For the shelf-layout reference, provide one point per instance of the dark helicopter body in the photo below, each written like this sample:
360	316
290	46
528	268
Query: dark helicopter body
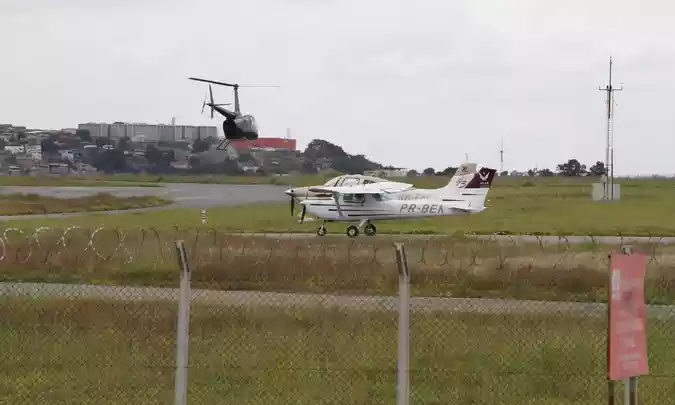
237	126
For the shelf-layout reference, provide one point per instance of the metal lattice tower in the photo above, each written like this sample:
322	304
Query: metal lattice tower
609	149
501	158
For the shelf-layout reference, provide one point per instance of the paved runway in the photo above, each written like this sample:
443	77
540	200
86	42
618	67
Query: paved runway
248	299
184	195
573	239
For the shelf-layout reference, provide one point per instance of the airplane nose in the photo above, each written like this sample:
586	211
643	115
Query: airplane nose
289	192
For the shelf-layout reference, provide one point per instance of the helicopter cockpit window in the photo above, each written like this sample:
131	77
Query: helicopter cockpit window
246	123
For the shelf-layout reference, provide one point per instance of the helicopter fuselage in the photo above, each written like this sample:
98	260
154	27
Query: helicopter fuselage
242	127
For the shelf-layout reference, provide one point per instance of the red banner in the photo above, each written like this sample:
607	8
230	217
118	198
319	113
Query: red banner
627	321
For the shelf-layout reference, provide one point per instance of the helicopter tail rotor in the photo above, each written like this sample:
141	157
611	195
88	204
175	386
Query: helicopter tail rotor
211	102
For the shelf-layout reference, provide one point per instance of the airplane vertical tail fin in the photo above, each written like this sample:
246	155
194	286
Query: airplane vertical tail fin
461	178
477	188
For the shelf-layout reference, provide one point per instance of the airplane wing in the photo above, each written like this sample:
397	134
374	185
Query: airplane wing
373	188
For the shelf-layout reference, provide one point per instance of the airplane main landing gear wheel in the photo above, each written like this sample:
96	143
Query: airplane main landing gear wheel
321	230
370	230
352	231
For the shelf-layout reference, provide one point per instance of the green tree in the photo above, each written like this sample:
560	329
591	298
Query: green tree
598	169
572	168
84	135
429	171
201	145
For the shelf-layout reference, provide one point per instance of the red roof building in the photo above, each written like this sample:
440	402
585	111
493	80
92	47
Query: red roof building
273	143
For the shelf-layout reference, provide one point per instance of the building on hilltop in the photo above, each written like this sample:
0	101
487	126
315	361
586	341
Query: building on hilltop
141	132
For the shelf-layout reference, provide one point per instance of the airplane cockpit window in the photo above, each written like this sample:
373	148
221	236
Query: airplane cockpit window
354	198
333	182
368	181
381	197
350	181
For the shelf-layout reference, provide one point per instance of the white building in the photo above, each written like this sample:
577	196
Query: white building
140	132
35	151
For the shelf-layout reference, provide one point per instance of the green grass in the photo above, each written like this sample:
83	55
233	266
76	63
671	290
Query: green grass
89	352
547	206
554	206
71	181
30	204
457	267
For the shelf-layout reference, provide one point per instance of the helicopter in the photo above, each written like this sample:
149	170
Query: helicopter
237	126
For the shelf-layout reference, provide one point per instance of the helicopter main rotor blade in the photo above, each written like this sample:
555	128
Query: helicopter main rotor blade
213	82
223	83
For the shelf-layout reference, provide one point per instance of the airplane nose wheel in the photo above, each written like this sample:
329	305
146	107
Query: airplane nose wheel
321	230
352	231
370	230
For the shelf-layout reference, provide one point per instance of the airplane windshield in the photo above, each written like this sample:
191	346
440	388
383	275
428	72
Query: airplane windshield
246	123
333	181
381	197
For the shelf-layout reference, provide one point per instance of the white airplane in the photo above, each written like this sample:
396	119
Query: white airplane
345	180
464	194
464	171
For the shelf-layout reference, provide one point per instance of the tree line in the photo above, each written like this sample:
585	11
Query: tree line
570	168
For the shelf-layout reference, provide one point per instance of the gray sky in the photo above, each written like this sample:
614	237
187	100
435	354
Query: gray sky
413	84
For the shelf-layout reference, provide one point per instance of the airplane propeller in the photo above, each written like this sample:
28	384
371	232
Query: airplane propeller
302	214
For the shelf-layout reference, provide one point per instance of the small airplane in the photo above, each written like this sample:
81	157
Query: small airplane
237	126
377	202
463	174
345	180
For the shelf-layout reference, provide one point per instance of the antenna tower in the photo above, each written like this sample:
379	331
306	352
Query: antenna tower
501	158
609	149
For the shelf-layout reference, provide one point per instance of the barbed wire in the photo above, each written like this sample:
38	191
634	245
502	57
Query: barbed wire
21	245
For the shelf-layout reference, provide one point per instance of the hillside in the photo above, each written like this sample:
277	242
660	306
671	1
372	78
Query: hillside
320	154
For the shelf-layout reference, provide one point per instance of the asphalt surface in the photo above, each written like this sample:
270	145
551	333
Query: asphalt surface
250	299
184	195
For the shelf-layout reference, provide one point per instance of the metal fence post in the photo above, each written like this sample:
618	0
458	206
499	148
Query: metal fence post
403	356
182	330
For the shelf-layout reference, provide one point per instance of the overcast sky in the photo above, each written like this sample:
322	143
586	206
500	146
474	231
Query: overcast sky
413	84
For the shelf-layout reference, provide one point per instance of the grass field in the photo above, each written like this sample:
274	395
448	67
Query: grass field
547	206
86	352
516	205
457	267
27	204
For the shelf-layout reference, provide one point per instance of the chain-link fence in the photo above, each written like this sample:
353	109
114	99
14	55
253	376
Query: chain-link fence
92	316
